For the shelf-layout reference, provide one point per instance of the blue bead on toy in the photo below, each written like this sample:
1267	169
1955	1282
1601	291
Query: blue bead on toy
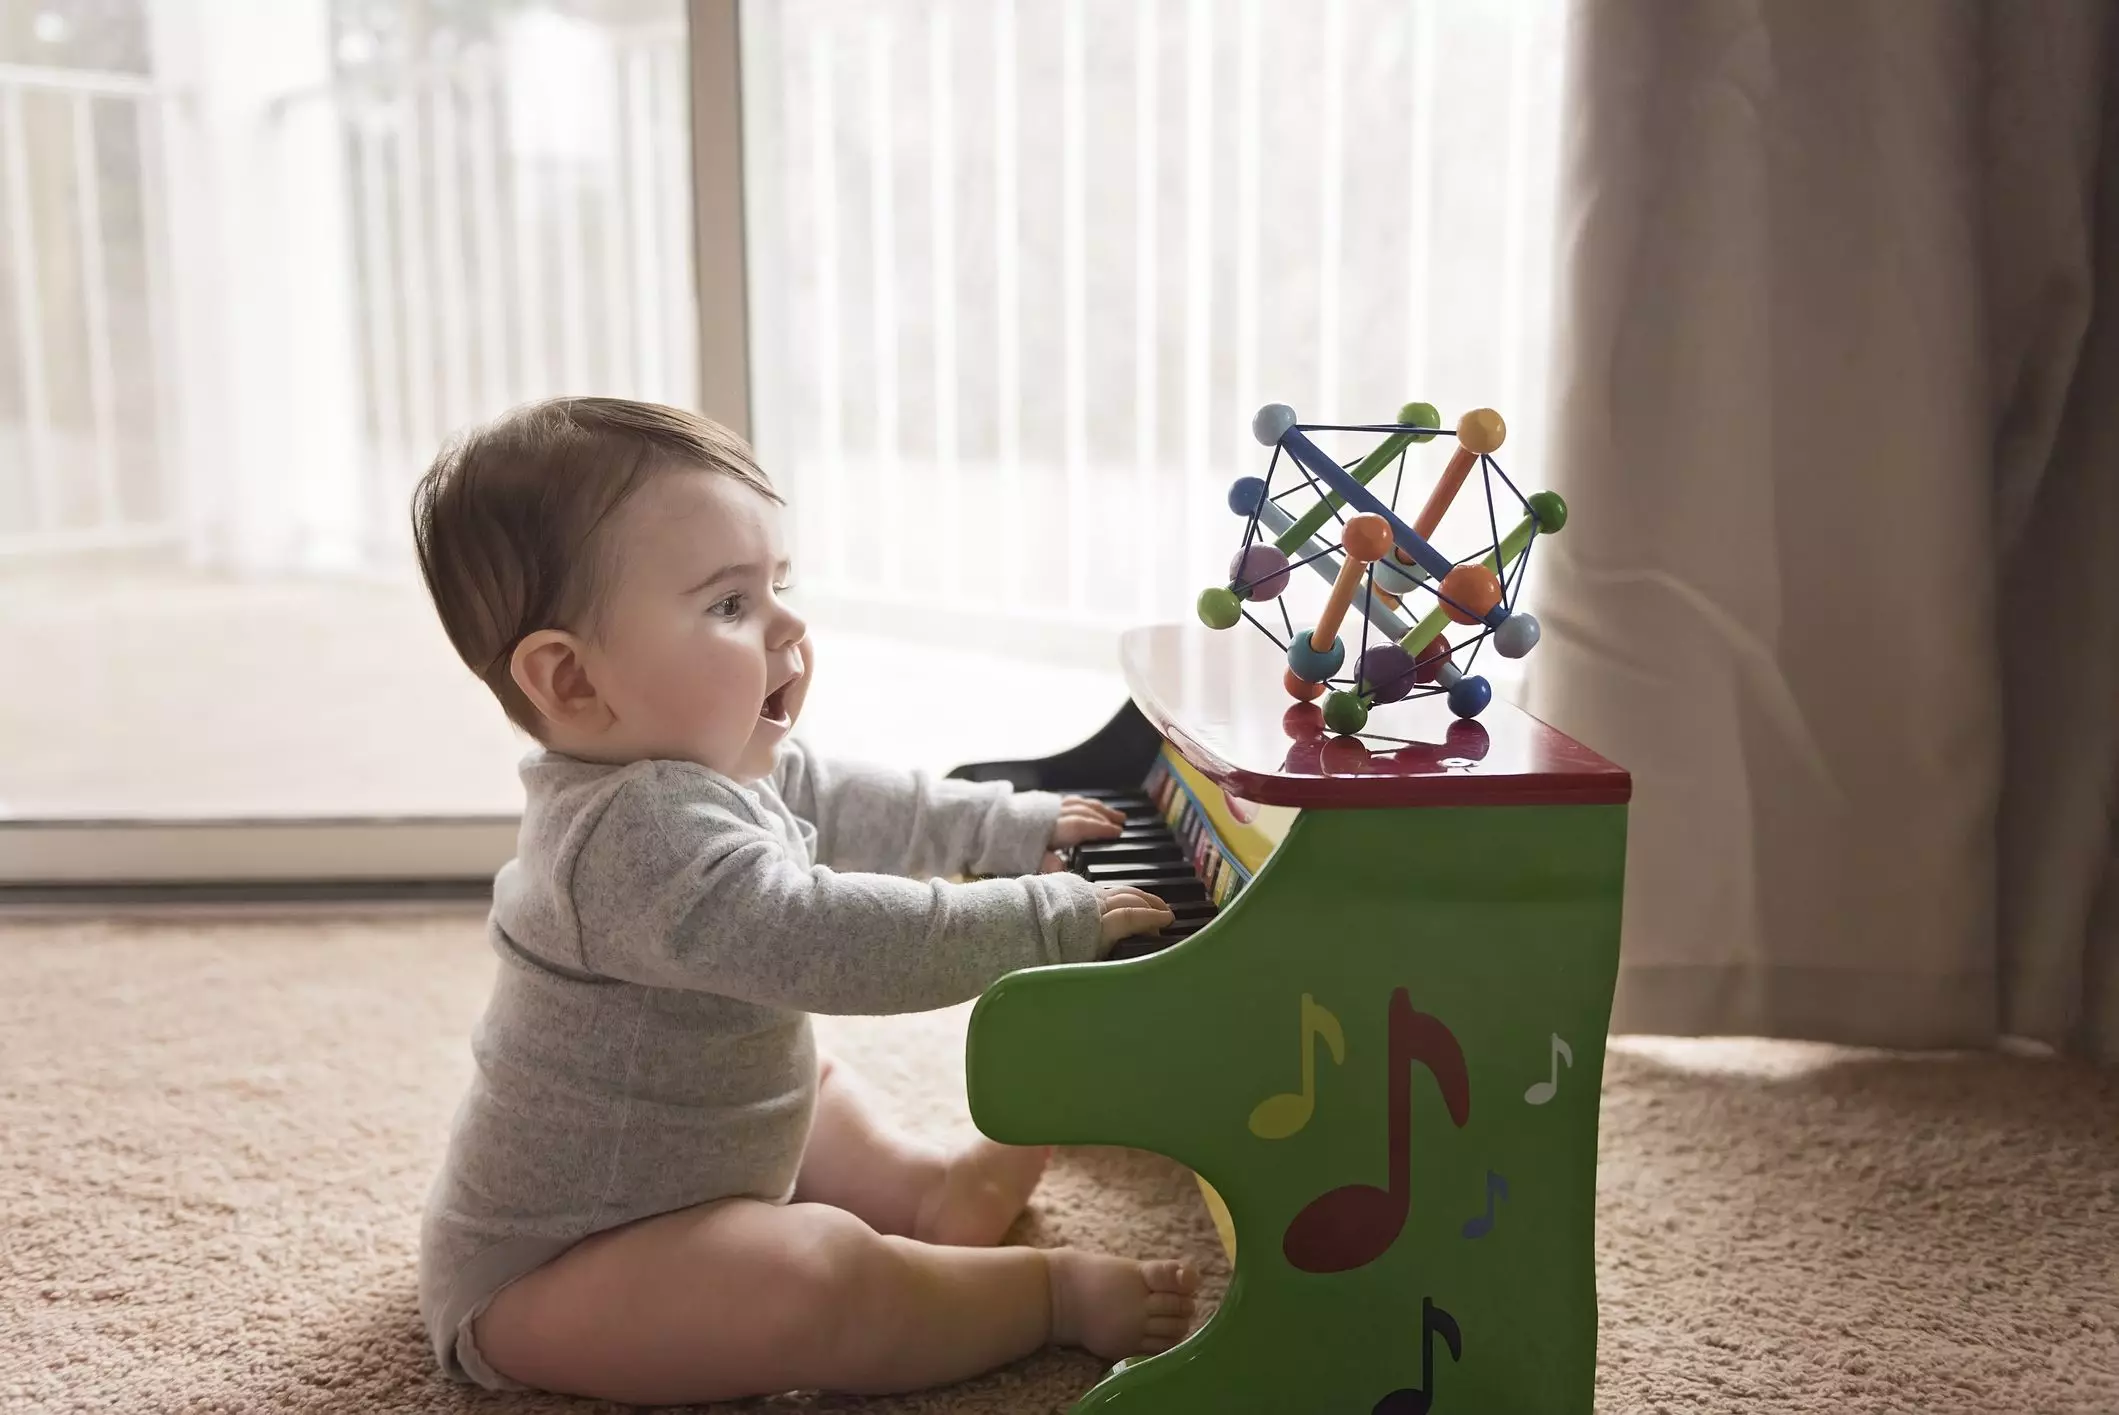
1518	636
1311	666
1400	580
1246	495
1470	696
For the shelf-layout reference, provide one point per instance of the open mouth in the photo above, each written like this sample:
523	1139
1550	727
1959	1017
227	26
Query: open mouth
775	709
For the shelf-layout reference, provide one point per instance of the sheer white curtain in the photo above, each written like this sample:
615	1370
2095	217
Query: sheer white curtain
257	263
1838	408
1022	270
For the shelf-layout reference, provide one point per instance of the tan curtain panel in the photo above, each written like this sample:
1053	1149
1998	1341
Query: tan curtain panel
1837	415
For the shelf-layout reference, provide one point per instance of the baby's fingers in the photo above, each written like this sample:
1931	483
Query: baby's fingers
1073	827
1126	896
1092	810
1131	920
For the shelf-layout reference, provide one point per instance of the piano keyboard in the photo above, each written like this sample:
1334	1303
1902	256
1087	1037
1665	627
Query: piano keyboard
1181	841
1169	848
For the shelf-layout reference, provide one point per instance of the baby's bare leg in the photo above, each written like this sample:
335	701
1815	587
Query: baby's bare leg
742	1298
900	1186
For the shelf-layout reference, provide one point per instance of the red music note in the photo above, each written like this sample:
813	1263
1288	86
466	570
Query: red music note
1355	1224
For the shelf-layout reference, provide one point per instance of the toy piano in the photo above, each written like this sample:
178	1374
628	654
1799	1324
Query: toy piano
1375	1033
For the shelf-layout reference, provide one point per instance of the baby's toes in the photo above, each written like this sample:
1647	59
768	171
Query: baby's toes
1169	1304
1167	1275
1167	1329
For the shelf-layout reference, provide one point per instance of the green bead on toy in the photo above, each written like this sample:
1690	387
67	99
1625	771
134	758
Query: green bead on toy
1345	713
1218	607
1550	510
1421	415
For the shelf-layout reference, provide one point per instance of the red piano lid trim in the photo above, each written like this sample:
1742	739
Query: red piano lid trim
1217	697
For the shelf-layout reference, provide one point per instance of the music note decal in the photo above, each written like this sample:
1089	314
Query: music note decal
1544	1091
1483	1224
1277	1117
1355	1224
1417	1400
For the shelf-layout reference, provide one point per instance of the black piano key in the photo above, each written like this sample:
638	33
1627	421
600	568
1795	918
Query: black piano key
1193	909
1137	872
1141	945
1174	892
1172	862
1138	836
1112	852
1158	838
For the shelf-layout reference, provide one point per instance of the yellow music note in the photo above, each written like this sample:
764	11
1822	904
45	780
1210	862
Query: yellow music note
1277	1117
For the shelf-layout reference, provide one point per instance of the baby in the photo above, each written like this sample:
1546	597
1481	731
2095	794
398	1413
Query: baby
655	1190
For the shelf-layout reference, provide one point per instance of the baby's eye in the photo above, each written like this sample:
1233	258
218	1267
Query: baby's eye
726	607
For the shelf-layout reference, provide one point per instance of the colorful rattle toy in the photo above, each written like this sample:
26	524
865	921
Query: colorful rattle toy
1396	560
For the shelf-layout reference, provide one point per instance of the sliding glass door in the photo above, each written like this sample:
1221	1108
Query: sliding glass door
258	263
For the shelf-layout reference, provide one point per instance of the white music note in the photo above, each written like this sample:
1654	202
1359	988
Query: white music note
1544	1091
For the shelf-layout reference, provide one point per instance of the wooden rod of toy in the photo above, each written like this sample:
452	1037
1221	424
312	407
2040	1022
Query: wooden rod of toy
1512	545
1479	432
1279	420
1366	539
1313	553
1385	452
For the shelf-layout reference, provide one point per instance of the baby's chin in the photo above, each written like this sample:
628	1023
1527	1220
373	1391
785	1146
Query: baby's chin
759	754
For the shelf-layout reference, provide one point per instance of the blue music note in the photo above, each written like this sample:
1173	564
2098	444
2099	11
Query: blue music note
1483	1224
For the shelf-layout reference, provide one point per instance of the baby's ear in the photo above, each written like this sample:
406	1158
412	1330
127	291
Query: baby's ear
553	673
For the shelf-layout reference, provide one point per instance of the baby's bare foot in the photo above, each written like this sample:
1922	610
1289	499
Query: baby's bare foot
982	1189
1118	1307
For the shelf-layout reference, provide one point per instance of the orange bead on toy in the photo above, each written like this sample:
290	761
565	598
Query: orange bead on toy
1367	538
1468	592
1302	688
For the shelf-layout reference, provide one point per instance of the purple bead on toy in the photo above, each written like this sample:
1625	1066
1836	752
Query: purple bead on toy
1386	672
1259	573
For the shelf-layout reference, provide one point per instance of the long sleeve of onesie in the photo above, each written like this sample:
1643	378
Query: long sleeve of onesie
687	880
911	823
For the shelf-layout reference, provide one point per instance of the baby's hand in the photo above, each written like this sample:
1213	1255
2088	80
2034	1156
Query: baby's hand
1080	819
1129	911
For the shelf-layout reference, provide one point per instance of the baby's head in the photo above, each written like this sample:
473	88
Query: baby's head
612	570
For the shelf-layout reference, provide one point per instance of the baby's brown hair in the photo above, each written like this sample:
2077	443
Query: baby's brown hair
508	517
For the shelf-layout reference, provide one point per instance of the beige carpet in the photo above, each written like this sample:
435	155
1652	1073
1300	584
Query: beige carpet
214	1139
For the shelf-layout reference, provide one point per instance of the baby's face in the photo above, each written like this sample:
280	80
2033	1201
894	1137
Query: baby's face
698	658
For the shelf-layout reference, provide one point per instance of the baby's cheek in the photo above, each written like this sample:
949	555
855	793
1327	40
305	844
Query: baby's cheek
723	692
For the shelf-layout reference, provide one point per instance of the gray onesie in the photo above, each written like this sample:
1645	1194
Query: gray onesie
663	935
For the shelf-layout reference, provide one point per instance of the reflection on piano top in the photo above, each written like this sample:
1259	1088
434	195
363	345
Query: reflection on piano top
1218	698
